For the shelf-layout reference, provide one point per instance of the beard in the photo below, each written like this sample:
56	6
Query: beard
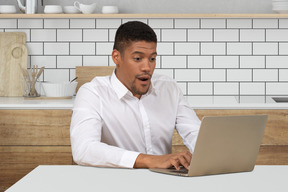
137	91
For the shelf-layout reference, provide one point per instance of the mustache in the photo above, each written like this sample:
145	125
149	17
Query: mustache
143	74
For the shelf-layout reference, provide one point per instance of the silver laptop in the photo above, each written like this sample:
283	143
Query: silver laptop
225	144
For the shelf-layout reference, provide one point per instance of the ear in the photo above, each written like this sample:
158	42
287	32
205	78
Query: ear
116	56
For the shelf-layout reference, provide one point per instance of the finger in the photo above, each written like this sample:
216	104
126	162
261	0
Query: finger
184	162
188	156
175	163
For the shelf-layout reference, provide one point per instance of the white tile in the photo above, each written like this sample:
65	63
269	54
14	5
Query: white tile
8	23
239	23
44	61
213	23
187	23
167	72
30	23
265	23
26	31
239	48
160	23
226	62
187	74
276	88
158	34
200	62
174	35
1	30
104	48
95	60
165	48
239	74
69	61
283	74
56	48
69	35
56	23
186	48
252	35
276	61
183	87
213	74
265	48
56	75
111	62
82	48
226	35
200	35
252	88
72	73
43	35
108	23
277	35
283	23
265	75
213	48
226	88
200	88
283	48
112	34
95	35
34	48
158	62
174	61
252	61
135	19
82	23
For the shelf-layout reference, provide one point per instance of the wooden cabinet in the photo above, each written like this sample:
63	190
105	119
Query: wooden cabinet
29	138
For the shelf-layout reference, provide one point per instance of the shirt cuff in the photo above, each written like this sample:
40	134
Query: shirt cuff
128	159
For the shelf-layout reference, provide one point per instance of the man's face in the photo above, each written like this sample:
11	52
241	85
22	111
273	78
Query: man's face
136	65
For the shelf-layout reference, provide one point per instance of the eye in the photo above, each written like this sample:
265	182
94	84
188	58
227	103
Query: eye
152	59
137	58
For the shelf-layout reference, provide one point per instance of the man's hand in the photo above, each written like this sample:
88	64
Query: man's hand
164	161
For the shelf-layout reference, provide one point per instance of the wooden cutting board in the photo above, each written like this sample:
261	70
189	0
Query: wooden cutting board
13	52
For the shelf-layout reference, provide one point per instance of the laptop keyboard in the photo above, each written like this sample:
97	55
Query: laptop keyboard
182	170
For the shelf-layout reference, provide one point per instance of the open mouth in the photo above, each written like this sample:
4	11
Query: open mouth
143	78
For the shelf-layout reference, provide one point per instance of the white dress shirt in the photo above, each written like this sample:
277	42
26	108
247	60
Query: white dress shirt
110	127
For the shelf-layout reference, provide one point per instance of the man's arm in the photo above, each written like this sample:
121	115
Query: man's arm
164	161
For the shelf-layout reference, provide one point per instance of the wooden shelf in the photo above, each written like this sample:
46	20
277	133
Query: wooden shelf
143	16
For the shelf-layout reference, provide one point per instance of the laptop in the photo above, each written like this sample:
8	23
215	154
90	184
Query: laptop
225	144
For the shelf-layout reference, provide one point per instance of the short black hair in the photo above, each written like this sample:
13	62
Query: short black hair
133	31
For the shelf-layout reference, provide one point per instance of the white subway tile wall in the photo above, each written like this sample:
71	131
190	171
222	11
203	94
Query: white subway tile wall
206	56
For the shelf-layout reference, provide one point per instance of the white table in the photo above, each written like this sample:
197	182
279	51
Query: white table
86	179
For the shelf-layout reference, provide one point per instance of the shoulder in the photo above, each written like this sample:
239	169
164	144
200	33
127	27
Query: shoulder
97	85
163	80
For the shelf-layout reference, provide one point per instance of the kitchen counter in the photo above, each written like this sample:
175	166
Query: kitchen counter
196	102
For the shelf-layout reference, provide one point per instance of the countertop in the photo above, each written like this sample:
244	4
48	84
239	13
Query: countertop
196	102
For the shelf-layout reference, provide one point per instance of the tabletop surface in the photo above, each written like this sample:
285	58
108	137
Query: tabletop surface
79	178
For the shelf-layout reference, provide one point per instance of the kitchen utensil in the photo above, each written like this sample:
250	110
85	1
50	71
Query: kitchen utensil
70	10
59	89
73	79
7	9
86	9
13	52
31	6
53	9
110	10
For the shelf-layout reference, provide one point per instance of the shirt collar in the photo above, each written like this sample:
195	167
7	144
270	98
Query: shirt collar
121	90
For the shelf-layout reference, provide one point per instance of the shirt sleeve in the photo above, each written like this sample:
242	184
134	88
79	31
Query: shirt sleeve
85	133
187	123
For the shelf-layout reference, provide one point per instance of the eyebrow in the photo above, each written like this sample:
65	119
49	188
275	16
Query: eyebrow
138	52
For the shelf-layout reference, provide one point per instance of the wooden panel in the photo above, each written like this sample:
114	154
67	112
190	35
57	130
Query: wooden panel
87	73
16	162
35	127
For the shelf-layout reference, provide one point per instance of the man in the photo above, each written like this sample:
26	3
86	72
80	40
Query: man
127	120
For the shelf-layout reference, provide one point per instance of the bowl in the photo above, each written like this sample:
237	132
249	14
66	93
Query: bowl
59	89
110	10
7	9
53	9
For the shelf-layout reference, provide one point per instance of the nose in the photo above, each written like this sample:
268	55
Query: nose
146	66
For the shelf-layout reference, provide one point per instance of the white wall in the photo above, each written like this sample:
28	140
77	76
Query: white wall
172	6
